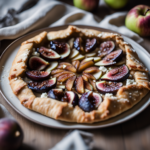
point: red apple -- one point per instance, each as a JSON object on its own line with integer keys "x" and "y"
{"x": 138, "y": 20}
{"x": 89, "y": 5}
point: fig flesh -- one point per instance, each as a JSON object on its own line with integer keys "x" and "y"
{"x": 118, "y": 74}
{"x": 108, "y": 87}
{"x": 89, "y": 101}
{"x": 48, "y": 54}
{"x": 37, "y": 75}
{"x": 90, "y": 45}
{"x": 37, "y": 63}
{"x": 111, "y": 58}
{"x": 63, "y": 49}
{"x": 78, "y": 44}
{"x": 71, "y": 97}
{"x": 56, "y": 94}
{"x": 11, "y": 134}
{"x": 106, "y": 48}
{"x": 43, "y": 86}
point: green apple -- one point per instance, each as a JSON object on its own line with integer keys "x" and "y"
{"x": 116, "y": 4}
{"x": 138, "y": 20}
{"x": 88, "y": 5}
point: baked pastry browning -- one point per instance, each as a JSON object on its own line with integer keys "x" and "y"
{"x": 82, "y": 75}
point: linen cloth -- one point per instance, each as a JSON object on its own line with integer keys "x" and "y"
{"x": 18, "y": 17}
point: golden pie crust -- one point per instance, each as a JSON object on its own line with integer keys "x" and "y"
{"x": 126, "y": 97}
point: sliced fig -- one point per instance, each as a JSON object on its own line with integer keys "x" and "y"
{"x": 111, "y": 58}
{"x": 106, "y": 48}
{"x": 71, "y": 97}
{"x": 79, "y": 57}
{"x": 90, "y": 101}
{"x": 76, "y": 64}
{"x": 70, "y": 83}
{"x": 90, "y": 44}
{"x": 91, "y": 70}
{"x": 89, "y": 76}
{"x": 58, "y": 46}
{"x": 52, "y": 66}
{"x": 108, "y": 87}
{"x": 37, "y": 63}
{"x": 66, "y": 52}
{"x": 56, "y": 94}
{"x": 79, "y": 85}
{"x": 37, "y": 75}
{"x": 93, "y": 83}
{"x": 43, "y": 86}
{"x": 88, "y": 86}
{"x": 64, "y": 77}
{"x": 56, "y": 71}
{"x": 118, "y": 74}
{"x": 78, "y": 44}
{"x": 85, "y": 65}
{"x": 48, "y": 54}
{"x": 74, "y": 53}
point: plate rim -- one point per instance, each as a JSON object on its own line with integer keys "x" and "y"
{"x": 65, "y": 127}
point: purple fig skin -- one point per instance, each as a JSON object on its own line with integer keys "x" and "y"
{"x": 118, "y": 74}
{"x": 138, "y": 20}
{"x": 106, "y": 48}
{"x": 43, "y": 86}
{"x": 90, "y": 44}
{"x": 56, "y": 94}
{"x": 107, "y": 87}
{"x": 37, "y": 75}
{"x": 88, "y": 102}
{"x": 37, "y": 63}
{"x": 11, "y": 134}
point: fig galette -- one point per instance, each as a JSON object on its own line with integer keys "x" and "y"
{"x": 78, "y": 75}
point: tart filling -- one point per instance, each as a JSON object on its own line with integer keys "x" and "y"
{"x": 78, "y": 75}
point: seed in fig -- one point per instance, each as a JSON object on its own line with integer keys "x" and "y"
{"x": 56, "y": 94}
{"x": 11, "y": 134}
{"x": 111, "y": 58}
{"x": 90, "y": 101}
{"x": 43, "y": 86}
{"x": 90, "y": 44}
{"x": 118, "y": 74}
{"x": 71, "y": 97}
{"x": 106, "y": 48}
{"x": 78, "y": 44}
{"x": 37, "y": 63}
{"x": 108, "y": 87}
{"x": 37, "y": 75}
{"x": 48, "y": 54}
{"x": 63, "y": 49}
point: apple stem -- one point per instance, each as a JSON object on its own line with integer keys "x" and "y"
{"x": 147, "y": 11}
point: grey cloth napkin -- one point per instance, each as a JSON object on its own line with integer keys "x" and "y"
{"x": 76, "y": 140}
{"x": 4, "y": 112}
{"x": 18, "y": 17}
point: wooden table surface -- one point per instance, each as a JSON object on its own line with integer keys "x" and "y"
{"x": 131, "y": 135}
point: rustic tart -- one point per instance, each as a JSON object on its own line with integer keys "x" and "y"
{"x": 78, "y": 75}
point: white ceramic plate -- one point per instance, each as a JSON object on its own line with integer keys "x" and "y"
{"x": 7, "y": 59}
